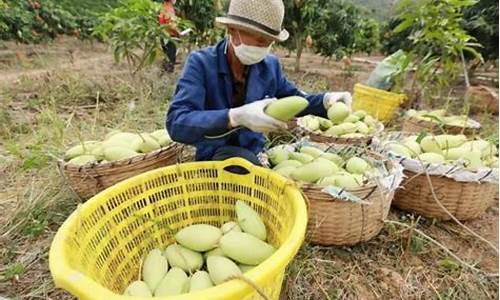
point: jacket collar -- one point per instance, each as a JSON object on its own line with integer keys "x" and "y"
{"x": 222, "y": 63}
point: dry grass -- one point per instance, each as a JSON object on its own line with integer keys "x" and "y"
{"x": 394, "y": 265}
{"x": 41, "y": 117}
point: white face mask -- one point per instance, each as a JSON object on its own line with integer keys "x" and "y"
{"x": 250, "y": 55}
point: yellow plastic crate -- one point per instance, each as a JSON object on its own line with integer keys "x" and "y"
{"x": 98, "y": 250}
{"x": 378, "y": 103}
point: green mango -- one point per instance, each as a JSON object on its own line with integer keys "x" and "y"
{"x": 313, "y": 151}
{"x": 433, "y": 158}
{"x": 338, "y": 112}
{"x": 250, "y": 221}
{"x": 312, "y": 172}
{"x": 352, "y": 118}
{"x": 82, "y": 160}
{"x": 288, "y": 163}
{"x": 301, "y": 157}
{"x": 245, "y": 248}
{"x": 356, "y": 165}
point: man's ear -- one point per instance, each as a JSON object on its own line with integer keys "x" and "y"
{"x": 233, "y": 33}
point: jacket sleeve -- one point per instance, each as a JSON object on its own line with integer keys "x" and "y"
{"x": 287, "y": 88}
{"x": 188, "y": 121}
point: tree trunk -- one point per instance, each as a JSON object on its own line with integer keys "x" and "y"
{"x": 300, "y": 46}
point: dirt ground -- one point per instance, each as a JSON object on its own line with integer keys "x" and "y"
{"x": 46, "y": 88}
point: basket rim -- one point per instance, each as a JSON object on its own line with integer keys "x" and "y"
{"x": 397, "y": 136}
{"x": 122, "y": 162}
{"x": 359, "y": 86}
{"x": 78, "y": 284}
{"x": 432, "y": 124}
{"x": 344, "y": 140}
{"x": 370, "y": 185}
{"x": 416, "y": 174}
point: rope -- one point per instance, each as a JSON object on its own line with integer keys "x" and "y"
{"x": 60, "y": 168}
{"x": 252, "y": 284}
{"x": 214, "y": 137}
{"x": 453, "y": 217}
{"x": 470, "y": 231}
{"x": 442, "y": 247}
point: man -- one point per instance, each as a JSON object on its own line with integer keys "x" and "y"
{"x": 220, "y": 98}
{"x": 167, "y": 17}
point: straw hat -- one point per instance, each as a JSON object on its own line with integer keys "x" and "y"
{"x": 259, "y": 16}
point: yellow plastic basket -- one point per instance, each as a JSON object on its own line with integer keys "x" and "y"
{"x": 98, "y": 250}
{"x": 378, "y": 103}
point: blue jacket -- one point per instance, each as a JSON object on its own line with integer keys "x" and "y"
{"x": 203, "y": 95}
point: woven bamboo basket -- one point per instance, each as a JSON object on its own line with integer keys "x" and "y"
{"x": 338, "y": 222}
{"x": 483, "y": 98}
{"x": 464, "y": 200}
{"x": 414, "y": 125}
{"x": 320, "y": 138}
{"x": 88, "y": 180}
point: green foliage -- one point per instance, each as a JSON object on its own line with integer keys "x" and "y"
{"x": 366, "y": 36}
{"x": 88, "y": 7}
{"x": 33, "y": 21}
{"x": 134, "y": 25}
{"x": 343, "y": 29}
{"x": 12, "y": 271}
{"x": 300, "y": 18}
{"x": 436, "y": 43}
{"x": 86, "y": 13}
{"x": 337, "y": 28}
{"x": 441, "y": 28}
{"x": 449, "y": 264}
{"x": 3, "y": 26}
{"x": 479, "y": 20}
{"x": 392, "y": 41}
{"x": 27, "y": 21}
{"x": 202, "y": 14}
{"x": 377, "y": 9}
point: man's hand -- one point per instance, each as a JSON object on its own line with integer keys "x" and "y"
{"x": 253, "y": 117}
{"x": 331, "y": 98}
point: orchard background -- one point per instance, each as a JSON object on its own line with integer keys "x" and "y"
{"x": 73, "y": 70}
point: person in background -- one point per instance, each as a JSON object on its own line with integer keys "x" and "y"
{"x": 168, "y": 17}
{"x": 218, "y": 105}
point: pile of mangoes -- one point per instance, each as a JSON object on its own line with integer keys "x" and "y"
{"x": 312, "y": 165}
{"x": 204, "y": 256}
{"x": 440, "y": 116}
{"x": 117, "y": 145}
{"x": 448, "y": 149}
{"x": 342, "y": 123}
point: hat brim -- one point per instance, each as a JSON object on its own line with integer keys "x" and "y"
{"x": 281, "y": 37}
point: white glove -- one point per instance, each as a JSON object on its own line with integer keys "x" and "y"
{"x": 253, "y": 117}
{"x": 331, "y": 98}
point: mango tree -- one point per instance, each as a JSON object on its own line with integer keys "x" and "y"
{"x": 134, "y": 25}
{"x": 202, "y": 14}
{"x": 437, "y": 43}
{"x": 300, "y": 16}
{"x": 335, "y": 28}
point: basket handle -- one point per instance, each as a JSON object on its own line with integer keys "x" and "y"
{"x": 237, "y": 166}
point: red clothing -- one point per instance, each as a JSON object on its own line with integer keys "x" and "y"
{"x": 167, "y": 13}
{"x": 167, "y": 17}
